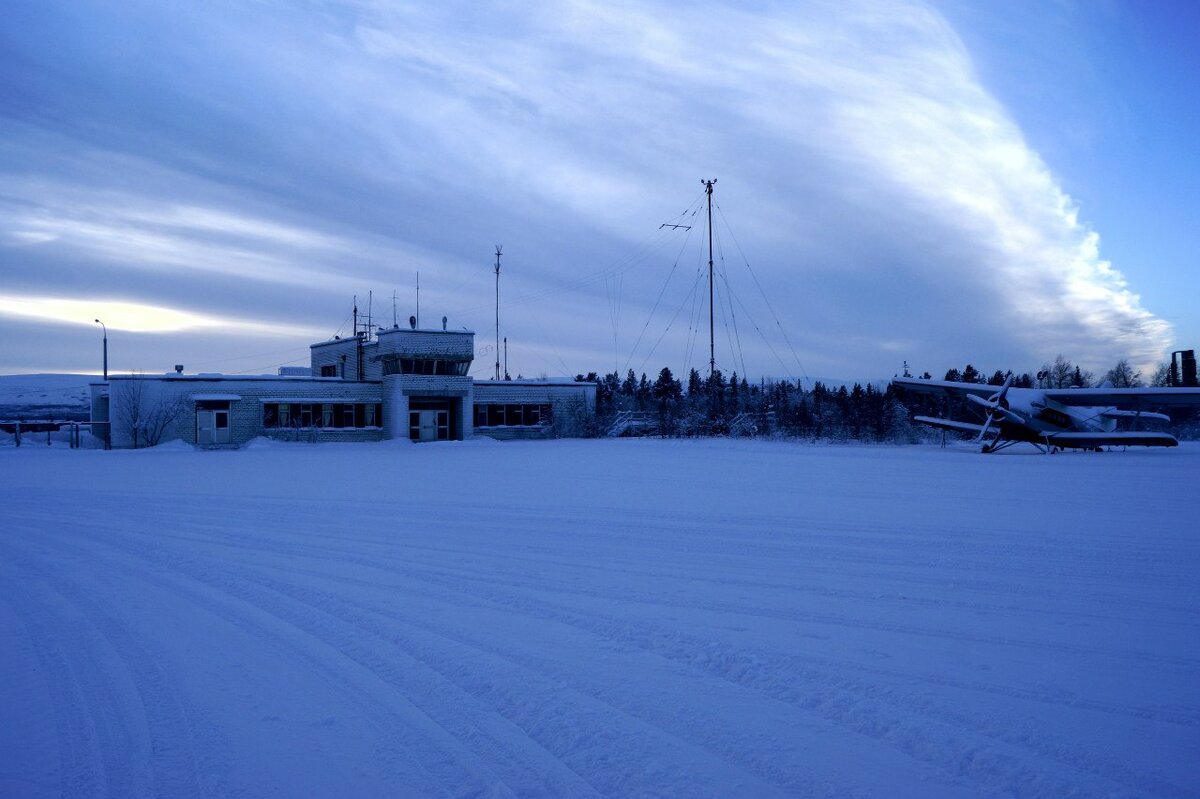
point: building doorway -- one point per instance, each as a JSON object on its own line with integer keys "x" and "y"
{"x": 212, "y": 426}
{"x": 429, "y": 425}
{"x": 432, "y": 419}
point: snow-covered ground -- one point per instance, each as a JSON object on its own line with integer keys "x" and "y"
{"x": 45, "y": 396}
{"x": 581, "y": 618}
{"x": 46, "y": 389}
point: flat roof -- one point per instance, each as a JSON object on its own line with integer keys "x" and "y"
{"x": 554, "y": 381}
{"x": 346, "y": 340}
{"x": 218, "y": 378}
{"x": 320, "y": 400}
{"x": 464, "y": 332}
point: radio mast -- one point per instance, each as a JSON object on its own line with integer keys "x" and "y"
{"x": 498, "y": 248}
{"x": 712, "y": 357}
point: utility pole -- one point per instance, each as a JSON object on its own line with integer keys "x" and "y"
{"x": 712, "y": 357}
{"x": 498, "y": 248}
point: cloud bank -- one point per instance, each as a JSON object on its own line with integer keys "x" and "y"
{"x": 264, "y": 162}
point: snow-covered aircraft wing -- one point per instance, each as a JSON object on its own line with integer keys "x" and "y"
{"x": 1144, "y": 416}
{"x": 1126, "y": 397}
{"x": 1131, "y": 439}
{"x": 944, "y": 387}
{"x": 949, "y": 424}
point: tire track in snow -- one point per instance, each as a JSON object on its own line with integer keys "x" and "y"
{"x": 855, "y": 704}
{"x": 220, "y": 571}
{"x": 680, "y": 651}
{"x": 759, "y": 671}
{"x": 349, "y": 645}
{"x": 546, "y": 705}
{"x": 1183, "y": 665}
{"x": 474, "y": 776}
{"x": 1048, "y": 750}
{"x": 568, "y": 589}
{"x": 1037, "y": 558}
{"x": 111, "y": 747}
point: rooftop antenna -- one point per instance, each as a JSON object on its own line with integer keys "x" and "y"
{"x": 394, "y": 309}
{"x": 498, "y": 249}
{"x": 356, "y": 315}
{"x": 418, "y": 314}
{"x": 712, "y": 357}
{"x": 370, "y": 301}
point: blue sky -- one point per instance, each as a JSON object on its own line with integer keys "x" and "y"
{"x": 938, "y": 183}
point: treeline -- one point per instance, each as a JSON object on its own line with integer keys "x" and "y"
{"x": 716, "y": 405}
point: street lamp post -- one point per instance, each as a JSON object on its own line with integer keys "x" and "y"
{"x": 105, "y": 348}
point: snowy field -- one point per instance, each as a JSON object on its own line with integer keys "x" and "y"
{"x": 612, "y": 618}
{"x": 45, "y": 396}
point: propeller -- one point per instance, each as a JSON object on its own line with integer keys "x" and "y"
{"x": 996, "y": 407}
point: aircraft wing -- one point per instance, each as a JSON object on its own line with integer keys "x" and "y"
{"x": 1136, "y": 415}
{"x": 1126, "y": 397}
{"x": 1113, "y": 439}
{"x": 949, "y": 424}
{"x": 945, "y": 388}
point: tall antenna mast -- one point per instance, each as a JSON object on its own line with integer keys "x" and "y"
{"x": 418, "y": 300}
{"x": 712, "y": 357}
{"x": 394, "y": 308}
{"x": 498, "y": 248}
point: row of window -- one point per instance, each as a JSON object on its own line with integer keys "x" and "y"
{"x": 496, "y": 415}
{"x": 322, "y": 414}
{"x": 425, "y": 366}
{"x": 366, "y": 414}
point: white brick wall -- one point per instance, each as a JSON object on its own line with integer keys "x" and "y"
{"x": 398, "y": 388}
{"x": 570, "y": 404}
{"x": 570, "y": 401}
{"x": 329, "y": 353}
{"x": 534, "y": 392}
{"x": 245, "y": 413}
{"x": 427, "y": 344}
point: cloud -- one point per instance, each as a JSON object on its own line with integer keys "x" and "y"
{"x": 889, "y": 204}
{"x": 879, "y": 100}
{"x": 138, "y": 317}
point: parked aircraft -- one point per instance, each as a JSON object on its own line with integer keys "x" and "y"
{"x": 1052, "y": 419}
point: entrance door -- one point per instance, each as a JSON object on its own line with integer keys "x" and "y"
{"x": 429, "y": 427}
{"x": 423, "y": 425}
{"x": 432, "y": 418}
{"x": 212, "y": 427}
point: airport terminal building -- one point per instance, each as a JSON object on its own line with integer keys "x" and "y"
{"x": 393, "y": 384}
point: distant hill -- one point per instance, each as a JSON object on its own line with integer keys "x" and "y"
{"x": 45, "y": 396}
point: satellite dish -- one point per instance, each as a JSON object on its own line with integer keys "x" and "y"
{"x": 412, "y": 322}
{"x": 443, "y": 324}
